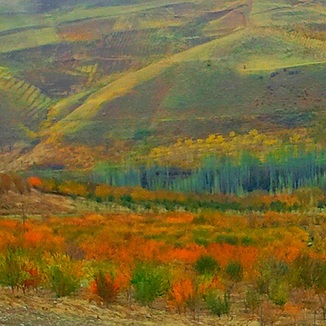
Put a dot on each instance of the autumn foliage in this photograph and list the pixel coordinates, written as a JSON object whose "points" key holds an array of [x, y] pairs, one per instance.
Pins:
{"points": [[105, 286], [193, 261]]}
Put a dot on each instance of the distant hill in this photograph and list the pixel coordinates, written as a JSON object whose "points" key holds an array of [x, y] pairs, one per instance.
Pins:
{"points": [[129, 74]]}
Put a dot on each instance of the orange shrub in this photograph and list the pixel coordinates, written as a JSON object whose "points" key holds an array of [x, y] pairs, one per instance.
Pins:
{"points": [[6, 239], [180, 293], [34, 278], [179, 217], [34, 182], [94, 219], [224, 253], [8, 224], [188, 254], [103, 191], [73, 188], [95, 249], [105, 286], [48, 185], [42, 237], [139, 193], [5, 182]]}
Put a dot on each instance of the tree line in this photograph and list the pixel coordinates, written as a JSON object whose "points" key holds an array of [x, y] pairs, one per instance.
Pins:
{"points": [[285, 171]]}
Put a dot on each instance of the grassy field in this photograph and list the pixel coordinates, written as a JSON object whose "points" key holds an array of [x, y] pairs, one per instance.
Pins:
{"points": [[10, 23], [97, 12], [28, 39], [42, 29]]}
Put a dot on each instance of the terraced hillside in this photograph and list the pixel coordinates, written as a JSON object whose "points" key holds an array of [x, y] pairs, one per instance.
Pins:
{"points": [[27, 109], [141, 73]]}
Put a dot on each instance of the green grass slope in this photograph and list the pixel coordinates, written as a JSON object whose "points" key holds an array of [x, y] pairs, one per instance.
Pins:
{"points": [[213, 81], [150, 71]]}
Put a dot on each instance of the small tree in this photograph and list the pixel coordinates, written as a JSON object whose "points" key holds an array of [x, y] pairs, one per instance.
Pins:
{"points": [[62, 275], [217, 305], [105, 286], [278, 293], [12, 272], [181, 293], [34, 277], [252, 299], [149, 282]]}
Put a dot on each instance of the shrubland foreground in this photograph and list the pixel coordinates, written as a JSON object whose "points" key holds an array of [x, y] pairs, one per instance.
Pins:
{"points": [[172, 262]]}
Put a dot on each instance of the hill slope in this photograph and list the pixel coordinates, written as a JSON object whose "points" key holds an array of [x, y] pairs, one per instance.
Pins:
{"points": [[148, 72]]}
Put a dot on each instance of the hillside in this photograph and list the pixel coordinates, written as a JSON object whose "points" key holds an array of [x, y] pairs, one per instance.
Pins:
{"points": [[127, 76]]}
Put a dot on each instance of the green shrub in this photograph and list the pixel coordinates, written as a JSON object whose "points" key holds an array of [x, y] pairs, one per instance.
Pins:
{"points": [[126, 198], [201, 237], [12, 271], [234, 271], [278, 293], [308, 272], [201, 241], [147, 205], [199, 220], [278, 206], [206, 265], [169, 205], [229, 239], [217, 305], [62, 275], [252, 299], [247, 241], [149, 282], [142, 134]]}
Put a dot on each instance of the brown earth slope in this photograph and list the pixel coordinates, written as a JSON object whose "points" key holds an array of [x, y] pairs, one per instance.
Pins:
{"points": [[38, 310]]}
